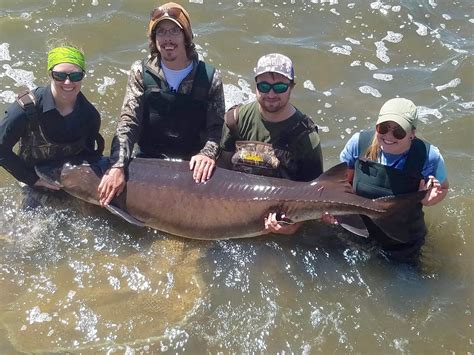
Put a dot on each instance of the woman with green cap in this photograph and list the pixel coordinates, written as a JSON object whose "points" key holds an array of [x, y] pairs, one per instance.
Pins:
{"points": [[51, 122], [392, 160]]}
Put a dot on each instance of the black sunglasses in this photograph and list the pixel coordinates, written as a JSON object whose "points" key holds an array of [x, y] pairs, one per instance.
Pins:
{"points": [[398, 132], [278, 88], [74, 76]]}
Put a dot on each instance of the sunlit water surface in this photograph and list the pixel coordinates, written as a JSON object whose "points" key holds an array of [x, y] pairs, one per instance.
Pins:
{"points": [[74, 278]]}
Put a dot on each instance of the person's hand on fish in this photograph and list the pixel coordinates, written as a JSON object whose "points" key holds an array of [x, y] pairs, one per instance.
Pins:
{"points": [[328, 218], [202, 167], [111, 185], [435, 191], [275, 223]]}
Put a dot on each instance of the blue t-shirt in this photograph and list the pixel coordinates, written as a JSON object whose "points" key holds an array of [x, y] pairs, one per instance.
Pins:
{"points": [[434, 165]]}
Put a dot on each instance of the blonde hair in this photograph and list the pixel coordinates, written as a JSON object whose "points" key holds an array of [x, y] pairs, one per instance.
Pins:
{"points": [[373, 151]]}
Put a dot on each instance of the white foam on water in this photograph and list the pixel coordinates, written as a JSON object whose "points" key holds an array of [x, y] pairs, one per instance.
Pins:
{"points": [[345, 50], [370, 66], [381, 52], [95, 3], [102, 88], [4, 52], [366, 89], [235, 95], [36, 316], [424, 112], [432, 3], [452, 84], [327, 93], [309, 85], [396, 8], [467, 105], [7, 96], [393, 37], [20, 76], [356, 63], [353, 41], [422, 30], [384, 77], [446, 17]]}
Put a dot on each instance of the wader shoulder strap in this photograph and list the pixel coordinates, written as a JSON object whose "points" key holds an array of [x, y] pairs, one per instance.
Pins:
{"points": [[202, 81], [365, 139], [27, 101], [231, 119], [417, 156], [149, 80], [295, 132]]}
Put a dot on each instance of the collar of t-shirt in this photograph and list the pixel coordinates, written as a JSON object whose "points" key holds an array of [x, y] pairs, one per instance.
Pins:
{"points": [[174, 77]]}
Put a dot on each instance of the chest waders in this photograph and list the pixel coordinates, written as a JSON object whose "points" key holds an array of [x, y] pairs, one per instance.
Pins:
{"points": [[174, 124], [277, 159], [373, 180], [35, 148]]}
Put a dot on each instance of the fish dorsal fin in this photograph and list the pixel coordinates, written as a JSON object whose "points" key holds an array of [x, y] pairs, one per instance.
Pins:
{"points": [[122, 214], [337, 172], [335, 179]]}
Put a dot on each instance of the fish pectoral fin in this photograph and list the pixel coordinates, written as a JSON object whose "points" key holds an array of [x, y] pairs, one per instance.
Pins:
{"points": [[354, 224], [122, 214]]}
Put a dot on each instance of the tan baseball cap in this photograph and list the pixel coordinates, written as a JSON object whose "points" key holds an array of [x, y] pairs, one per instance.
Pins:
{"points": [[173, 12], [401, 111]]}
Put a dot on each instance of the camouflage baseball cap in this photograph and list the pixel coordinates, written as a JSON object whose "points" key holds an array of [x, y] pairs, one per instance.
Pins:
{"points": [[275, 63], [401, 111]]}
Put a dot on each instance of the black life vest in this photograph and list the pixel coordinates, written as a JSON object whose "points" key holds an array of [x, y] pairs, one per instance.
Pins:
{"points": [[373, 180], [174, 124], [35, 148]]}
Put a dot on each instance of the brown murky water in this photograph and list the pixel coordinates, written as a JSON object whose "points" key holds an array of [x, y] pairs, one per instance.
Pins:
{"points": [[74, 278]]}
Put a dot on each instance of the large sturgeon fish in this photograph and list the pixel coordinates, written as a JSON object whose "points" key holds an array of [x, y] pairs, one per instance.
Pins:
{"points": [[163, 195]]}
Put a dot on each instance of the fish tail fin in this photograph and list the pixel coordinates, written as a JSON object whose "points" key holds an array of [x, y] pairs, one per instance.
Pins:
{"points": [[397, 211]]}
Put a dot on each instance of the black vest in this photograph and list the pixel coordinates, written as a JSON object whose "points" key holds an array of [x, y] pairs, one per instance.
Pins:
{"points": [[35, 148], [373, 180], [174, 124]]}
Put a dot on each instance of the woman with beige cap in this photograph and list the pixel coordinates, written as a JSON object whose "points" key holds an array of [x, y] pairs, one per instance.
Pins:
{"points": [[173, 107], [391, 160]]}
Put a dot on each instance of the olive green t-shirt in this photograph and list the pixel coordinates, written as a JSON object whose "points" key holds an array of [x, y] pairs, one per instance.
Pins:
{"points": [[253, 127]]}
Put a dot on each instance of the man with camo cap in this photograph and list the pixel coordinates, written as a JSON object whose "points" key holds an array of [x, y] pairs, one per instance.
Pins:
{"points": [[173, 105], [270, 136]]}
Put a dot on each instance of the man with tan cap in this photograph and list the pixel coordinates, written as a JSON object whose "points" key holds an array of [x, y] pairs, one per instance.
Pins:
{"points": [[270, 136], [391, 160], [173, 106]]}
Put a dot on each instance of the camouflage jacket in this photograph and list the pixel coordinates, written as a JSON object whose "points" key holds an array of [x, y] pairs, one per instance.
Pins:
{"points": [[130, 123]]}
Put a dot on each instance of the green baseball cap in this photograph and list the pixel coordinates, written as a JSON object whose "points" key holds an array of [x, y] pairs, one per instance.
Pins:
{"points": [[401, 111]]}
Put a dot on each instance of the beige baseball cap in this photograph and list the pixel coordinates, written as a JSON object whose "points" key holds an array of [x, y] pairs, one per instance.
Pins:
{"points": [[401, 111]]}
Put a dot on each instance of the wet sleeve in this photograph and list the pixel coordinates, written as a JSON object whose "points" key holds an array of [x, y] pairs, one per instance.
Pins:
{"points": [[350, 153], [214, 117], [435, 165], [12, 128], [227, 140], [130, 121]]}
